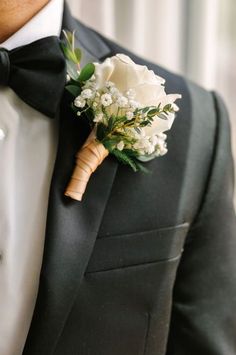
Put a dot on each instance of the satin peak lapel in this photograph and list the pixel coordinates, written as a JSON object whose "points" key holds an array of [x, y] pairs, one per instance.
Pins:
{"points": [[72, 226]]}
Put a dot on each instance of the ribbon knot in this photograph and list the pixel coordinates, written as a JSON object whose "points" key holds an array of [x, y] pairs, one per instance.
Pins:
{"points": [[4, 67]]}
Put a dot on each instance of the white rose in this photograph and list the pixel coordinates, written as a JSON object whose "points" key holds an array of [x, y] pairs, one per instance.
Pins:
{"points": [[144, 84]]}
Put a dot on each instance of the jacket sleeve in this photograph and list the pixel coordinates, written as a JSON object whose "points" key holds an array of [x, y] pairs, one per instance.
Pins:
{"points": [[204, 299]]}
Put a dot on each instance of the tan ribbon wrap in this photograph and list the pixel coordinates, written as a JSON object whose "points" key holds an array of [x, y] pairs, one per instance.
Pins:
{"points": [[88, 158]]}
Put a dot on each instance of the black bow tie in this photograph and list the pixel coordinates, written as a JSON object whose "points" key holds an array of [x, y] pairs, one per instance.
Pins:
{"points": [[36, 72]]}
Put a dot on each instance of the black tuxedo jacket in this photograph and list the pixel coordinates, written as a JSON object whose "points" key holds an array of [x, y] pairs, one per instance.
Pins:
{"points": [[146, 263]]}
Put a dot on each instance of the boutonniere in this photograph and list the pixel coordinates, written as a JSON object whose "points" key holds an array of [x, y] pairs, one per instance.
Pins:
{"points": [[127, 108]]}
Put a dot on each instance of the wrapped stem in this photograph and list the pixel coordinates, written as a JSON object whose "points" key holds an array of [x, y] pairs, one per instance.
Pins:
{"points": [[88, 158]]}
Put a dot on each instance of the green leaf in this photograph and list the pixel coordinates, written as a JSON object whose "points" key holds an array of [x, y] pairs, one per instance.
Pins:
{"points": [[153, 112], [87, 72], [73, 55], [67, 52], [75, 83], [167, 107], [146, 123], [137, 129], [125, 159], [142, 168], [162, 116], [101, 131], [68, 35], [111, 122], [145, 109], [119, 121], [70, 39], [72, 70], [109, 144], [74, 90], [78, 54]]}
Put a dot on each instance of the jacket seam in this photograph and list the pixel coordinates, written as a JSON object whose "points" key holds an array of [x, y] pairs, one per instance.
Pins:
{"points": [[174, 258], [202, 206], [184, 225]]}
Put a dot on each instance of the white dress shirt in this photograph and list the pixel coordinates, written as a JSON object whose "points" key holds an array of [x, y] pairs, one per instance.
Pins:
{"points": [[28, 143]]}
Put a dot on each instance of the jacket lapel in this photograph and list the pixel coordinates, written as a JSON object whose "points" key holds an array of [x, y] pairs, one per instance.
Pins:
{"points": [[72, 227]]}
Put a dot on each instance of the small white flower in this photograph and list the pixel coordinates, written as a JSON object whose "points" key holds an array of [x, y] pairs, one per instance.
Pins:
{"points": [[120, 145], [154, 140], [130, 94], [161, 147], [134, 104], [95, 104], [78, 113], [162, 136], [122, 101], [87, 94], [144, 115], [80, 102], [114, 91], [89, 85], [149, 149], [145, 146], [106, 100], [129, 115], [163, 151], [98, 118], [109, 84]]}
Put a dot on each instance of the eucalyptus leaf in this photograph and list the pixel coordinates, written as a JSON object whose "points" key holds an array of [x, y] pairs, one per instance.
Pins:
{"points": [[146, 123], [146, 109], [87, 72], [167, 107], [74, 90], [162, 116], [137, 129], [153, 112]]}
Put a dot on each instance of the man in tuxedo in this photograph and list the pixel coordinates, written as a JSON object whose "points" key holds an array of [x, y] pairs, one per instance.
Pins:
{"points": [[145, 264]]}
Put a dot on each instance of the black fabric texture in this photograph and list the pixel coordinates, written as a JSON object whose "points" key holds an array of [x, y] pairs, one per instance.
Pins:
{"points": [[37, 73]]}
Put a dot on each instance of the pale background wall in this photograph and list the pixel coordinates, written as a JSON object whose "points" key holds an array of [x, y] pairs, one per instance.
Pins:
{"points": [[196, 38]]}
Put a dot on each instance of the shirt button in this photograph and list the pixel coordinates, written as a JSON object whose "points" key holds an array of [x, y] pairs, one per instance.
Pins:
{"points": [[2, 134]]}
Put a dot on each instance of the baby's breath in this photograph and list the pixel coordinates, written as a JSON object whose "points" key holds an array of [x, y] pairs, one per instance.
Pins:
{"points": [[120, 120]]}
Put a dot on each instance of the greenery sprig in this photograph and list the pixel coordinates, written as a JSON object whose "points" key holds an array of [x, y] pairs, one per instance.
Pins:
{"points": [[119, 120]]}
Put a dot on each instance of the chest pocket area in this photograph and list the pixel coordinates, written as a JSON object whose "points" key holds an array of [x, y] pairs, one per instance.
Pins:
{"points": [[119, 251]]}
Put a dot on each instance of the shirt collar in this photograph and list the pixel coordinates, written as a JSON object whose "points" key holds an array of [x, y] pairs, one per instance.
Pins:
{"points": [[47, 22]]}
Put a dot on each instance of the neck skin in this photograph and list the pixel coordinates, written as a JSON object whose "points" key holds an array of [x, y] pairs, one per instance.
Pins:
{"points": [[16, 13]]}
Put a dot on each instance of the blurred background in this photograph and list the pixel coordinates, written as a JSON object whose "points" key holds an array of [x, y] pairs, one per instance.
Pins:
{"points": [[196, 38]]}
